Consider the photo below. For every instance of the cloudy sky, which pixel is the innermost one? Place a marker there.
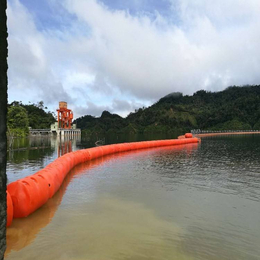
(119, 55)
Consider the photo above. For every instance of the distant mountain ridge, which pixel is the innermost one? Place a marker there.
(235, 108)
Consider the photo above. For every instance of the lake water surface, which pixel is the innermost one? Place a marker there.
(199, 201)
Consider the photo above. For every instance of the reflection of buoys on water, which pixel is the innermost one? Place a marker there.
(24, 230)
(10, 209)
(30, 193)
(187, 148)
(64, 147)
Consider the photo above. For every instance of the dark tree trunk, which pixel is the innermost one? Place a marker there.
(3, 113)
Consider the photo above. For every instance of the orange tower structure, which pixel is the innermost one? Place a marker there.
(65, 116)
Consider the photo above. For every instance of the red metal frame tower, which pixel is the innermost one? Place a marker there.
(65, 116)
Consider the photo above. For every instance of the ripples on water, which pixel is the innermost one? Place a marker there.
(185, 202)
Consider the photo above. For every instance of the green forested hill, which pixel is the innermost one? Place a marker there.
(235, 108)
(38, 117)
(21, 116)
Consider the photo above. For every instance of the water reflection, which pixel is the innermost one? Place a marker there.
(113, 138)
(32, 148)
(23, 231)
(65, 144)
(34, 153)
(119, 222)
(136, 137)
(64, 148)
(184, 202)
(232, 168)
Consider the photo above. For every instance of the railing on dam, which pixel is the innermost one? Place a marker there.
(59, 132)
(39, 131)
(199, 131)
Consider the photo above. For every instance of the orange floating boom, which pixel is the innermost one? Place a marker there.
(26, 195)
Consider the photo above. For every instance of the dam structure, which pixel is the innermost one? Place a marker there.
(63, 128)
(63, 132)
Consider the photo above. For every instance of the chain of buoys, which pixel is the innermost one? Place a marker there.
(26, 195)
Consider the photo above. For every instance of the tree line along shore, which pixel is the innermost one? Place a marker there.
(236, 108)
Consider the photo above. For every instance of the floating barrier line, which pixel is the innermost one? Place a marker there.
(204, 134)
(26, 195)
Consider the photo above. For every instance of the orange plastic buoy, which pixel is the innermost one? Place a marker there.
(188, 135)
(28, 194)
(10, 209)
(95, 152)
(107, 149)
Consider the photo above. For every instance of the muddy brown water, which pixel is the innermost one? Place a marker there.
(185, 202)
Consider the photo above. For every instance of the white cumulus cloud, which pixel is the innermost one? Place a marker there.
(112, 59)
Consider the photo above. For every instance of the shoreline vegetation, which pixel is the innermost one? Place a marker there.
(22, 116)
(236, 108)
